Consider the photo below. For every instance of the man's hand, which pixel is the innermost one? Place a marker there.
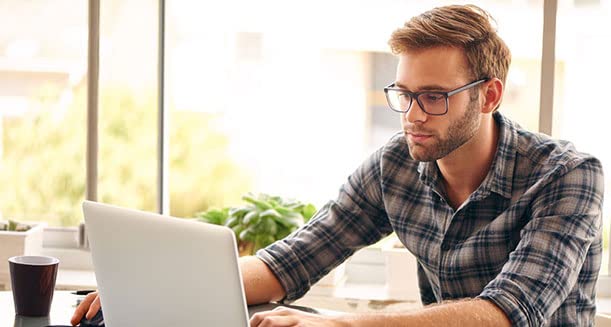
(88, 308)
(285, 317)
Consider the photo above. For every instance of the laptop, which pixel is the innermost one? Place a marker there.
(155, 270)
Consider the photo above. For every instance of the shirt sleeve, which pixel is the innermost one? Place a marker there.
(544, 268)
(355, 219)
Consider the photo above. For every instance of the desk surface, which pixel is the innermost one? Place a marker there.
(65, 302)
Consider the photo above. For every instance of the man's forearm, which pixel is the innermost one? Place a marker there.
(470, 312)
(260, 283)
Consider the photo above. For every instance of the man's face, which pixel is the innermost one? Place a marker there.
(437, 69)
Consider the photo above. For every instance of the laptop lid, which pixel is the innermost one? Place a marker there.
(155, 270)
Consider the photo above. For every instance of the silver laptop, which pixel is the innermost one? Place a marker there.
(155, 270)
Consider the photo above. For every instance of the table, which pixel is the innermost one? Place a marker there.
(64, 303)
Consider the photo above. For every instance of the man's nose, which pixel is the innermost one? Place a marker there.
(415, 113)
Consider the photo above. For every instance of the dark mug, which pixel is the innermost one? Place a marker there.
(33, 283)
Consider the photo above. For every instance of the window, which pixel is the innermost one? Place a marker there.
(288, 105)
(43, 62)
(43, 97)
(263, 102)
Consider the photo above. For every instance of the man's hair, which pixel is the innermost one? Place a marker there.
(465, 27)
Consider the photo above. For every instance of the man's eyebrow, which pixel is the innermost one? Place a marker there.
(430, 87)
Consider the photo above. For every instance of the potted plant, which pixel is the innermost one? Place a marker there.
(17, 239)
(263, 220)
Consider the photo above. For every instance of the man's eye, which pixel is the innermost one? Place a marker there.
(432, 97)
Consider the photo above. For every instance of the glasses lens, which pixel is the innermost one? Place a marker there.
(434, 103)
(398, 100)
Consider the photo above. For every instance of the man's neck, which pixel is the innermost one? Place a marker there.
(465, 168)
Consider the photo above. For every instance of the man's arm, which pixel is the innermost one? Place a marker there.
(470, 312)
(357, 218)
(260, 284)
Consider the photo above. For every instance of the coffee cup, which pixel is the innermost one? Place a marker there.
(33, 282)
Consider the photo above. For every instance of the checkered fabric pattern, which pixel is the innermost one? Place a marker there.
(528, 239)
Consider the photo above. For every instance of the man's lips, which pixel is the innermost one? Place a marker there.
(418, 137)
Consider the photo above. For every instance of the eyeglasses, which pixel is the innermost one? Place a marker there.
(434, 103)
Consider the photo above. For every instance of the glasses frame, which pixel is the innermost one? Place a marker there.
(416, 95)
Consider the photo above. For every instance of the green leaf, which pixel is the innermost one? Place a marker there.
(308, 212)
(296, 207)
(266, 226)
(283, 211)
(241, 211)
(290, 221)
(283, 221)
(214, 216)
(261, 205)
(238, 230)
(262, 241)
(251, 218)
(270, 226)
(232, 221)
(282, 232)
(270, 213)
(248, 234)
(274, 199)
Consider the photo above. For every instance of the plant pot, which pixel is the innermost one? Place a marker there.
(401, 272)
(15, 244)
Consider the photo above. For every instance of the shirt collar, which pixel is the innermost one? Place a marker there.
(500, 177)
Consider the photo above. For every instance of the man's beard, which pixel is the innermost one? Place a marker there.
(459, 133)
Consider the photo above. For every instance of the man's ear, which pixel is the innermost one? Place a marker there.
(493, 94)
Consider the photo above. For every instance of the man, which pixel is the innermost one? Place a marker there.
(505, 224)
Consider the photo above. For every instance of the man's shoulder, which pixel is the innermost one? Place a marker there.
(544, 153)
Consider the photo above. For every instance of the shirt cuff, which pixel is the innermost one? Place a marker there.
(515, 311)
(288, 270)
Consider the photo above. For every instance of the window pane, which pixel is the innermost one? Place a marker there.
(584, 28)
(43, 89)
(281, 98)
(128, 104)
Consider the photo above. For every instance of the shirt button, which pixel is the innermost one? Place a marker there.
(445, 246)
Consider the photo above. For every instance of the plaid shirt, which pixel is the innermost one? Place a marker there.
(528, 239)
